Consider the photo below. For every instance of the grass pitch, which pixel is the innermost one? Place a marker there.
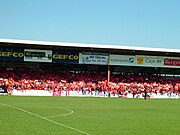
(96, 116)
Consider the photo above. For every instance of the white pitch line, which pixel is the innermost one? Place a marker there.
(39, 116)
(70, 112)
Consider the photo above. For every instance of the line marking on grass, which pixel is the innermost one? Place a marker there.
(44, 118)
(61, 115)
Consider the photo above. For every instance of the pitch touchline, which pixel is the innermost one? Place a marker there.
(39, 116)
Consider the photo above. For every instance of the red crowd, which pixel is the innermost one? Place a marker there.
(57, 80)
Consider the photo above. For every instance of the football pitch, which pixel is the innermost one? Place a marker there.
(91, 116)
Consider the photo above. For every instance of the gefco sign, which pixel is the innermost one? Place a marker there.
(11, 54)
(60, 56)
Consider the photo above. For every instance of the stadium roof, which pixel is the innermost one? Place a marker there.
(82, 45)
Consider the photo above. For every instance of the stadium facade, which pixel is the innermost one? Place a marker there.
(89, 57)
(166, 61)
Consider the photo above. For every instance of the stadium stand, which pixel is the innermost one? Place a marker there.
(57, 81)
(90, 69)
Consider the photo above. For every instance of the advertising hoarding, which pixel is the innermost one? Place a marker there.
(122, 60)
(11, 54)
(33, 55)
(93, 58)
(172, 62)
(65, 57)
(151, 61)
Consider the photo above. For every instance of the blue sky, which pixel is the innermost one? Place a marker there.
(147, 23)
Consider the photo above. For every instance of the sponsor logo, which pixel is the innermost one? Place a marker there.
(153, 61)
(131, 60)
(65, 56)
(172, 62)
(93, 58)
(140, 60)
(11, 54)
(123, 60)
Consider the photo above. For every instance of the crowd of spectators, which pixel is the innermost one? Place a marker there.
(57, 80)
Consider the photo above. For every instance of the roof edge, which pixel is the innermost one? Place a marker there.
(65, 44)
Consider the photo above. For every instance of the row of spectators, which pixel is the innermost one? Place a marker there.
(56, 80)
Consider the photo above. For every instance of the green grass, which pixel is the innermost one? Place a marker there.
(96, 116)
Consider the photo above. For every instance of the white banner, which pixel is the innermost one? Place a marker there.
(93, 58)
(86, 94)
(122, 60)
(37, 55)
(151, 61)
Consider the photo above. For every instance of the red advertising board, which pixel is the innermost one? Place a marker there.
(171, 62)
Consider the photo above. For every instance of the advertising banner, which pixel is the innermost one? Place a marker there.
(93, 58)
(151, 61)
(172, 62)
(33, 55)
(11, 54)
(122, 60)
(65, 57)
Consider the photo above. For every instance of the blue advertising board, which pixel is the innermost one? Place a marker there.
(11, 54)
(60, 56)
